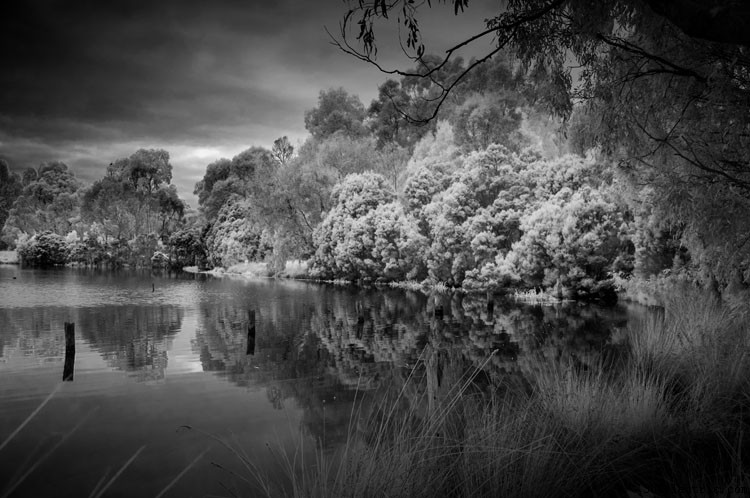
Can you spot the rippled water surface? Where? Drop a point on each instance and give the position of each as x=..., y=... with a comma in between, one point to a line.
x=164, y=370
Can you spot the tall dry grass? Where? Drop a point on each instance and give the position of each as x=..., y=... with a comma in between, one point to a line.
x=671, y=420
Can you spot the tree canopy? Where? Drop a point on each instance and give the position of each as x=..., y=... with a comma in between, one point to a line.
x=660, y=87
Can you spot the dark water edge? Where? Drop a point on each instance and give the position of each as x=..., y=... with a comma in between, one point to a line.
x=159, y=351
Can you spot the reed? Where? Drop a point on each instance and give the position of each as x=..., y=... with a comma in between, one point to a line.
x=581, y=430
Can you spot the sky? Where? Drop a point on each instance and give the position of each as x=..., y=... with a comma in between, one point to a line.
x=88, y=82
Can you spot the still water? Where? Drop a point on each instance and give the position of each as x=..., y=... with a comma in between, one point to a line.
x=165, y=371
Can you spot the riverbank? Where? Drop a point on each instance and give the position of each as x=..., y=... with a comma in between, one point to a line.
x=9, y=258
x=298, y=270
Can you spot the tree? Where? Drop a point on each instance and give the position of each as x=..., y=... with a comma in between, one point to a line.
x=477, y=216
x=249, y=174
x=44, y=249
x=665, y=85
x=171, y=208
x=185, y=248
x=145, y=170
x=572, y=242
x=48, y=202
x=10, y=189
x=387, y=119
x=135, y=198
x=112, y=205
x=282, y=150
x=337, y=111
x=482, y=120
x=366, y=235
x=234, y=236
x=143, y=174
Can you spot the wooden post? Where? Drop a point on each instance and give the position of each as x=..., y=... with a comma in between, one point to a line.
x=490, y=305
x=439, y=311
x=153, y=287
x=70, y=351
x=251, y=332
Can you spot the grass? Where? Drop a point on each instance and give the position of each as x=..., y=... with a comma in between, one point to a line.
x=9, y=257
x=296, y=268
x=251, y=269
x=670, y=419
x=654, y=290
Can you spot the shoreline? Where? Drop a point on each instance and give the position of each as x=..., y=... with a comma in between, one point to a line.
x=255, y=271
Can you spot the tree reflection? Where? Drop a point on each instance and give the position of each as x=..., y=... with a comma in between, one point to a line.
x=336, y=347
x=28, y=332
x=133, y=339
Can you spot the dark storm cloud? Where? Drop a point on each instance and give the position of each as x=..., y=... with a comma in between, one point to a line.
x=146, y=64
x=87, y=82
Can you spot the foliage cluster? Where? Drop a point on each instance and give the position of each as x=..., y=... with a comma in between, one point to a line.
x=498, y=219
x=659, y=88
x=488, y=197
x=50, y=249
x=126, y=217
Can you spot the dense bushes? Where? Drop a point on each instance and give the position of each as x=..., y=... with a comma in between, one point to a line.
x=498, y=219
x=44, y=249
x=50, y=249
x=573, y=242
x=366, y=235
x=186, y=248
x=235, y=237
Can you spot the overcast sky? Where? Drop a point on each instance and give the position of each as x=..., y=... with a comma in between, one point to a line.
x=87, y=82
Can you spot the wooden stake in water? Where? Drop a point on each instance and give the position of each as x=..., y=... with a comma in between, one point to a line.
x=153, y=287
x=70, y=351
x=251, y=332
x=439, y=311
x=490, y=306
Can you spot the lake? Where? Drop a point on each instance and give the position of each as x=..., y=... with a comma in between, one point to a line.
x=166, y=375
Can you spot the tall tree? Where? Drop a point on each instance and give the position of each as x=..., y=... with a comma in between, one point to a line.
x=135, y=198
x=10, y=189
x=49, y=202
x=666, y=85
x=337, y=111
x=248, y=174
x=282, y=150
x=145, y=172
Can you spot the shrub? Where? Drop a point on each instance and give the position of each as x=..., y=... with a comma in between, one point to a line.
x=572, y=240
x=366, y=235
x=44, y=249
x=185, y=248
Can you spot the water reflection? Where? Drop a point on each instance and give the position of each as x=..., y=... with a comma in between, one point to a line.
x=134, y=339
x=179, y=355
x=346, y=342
